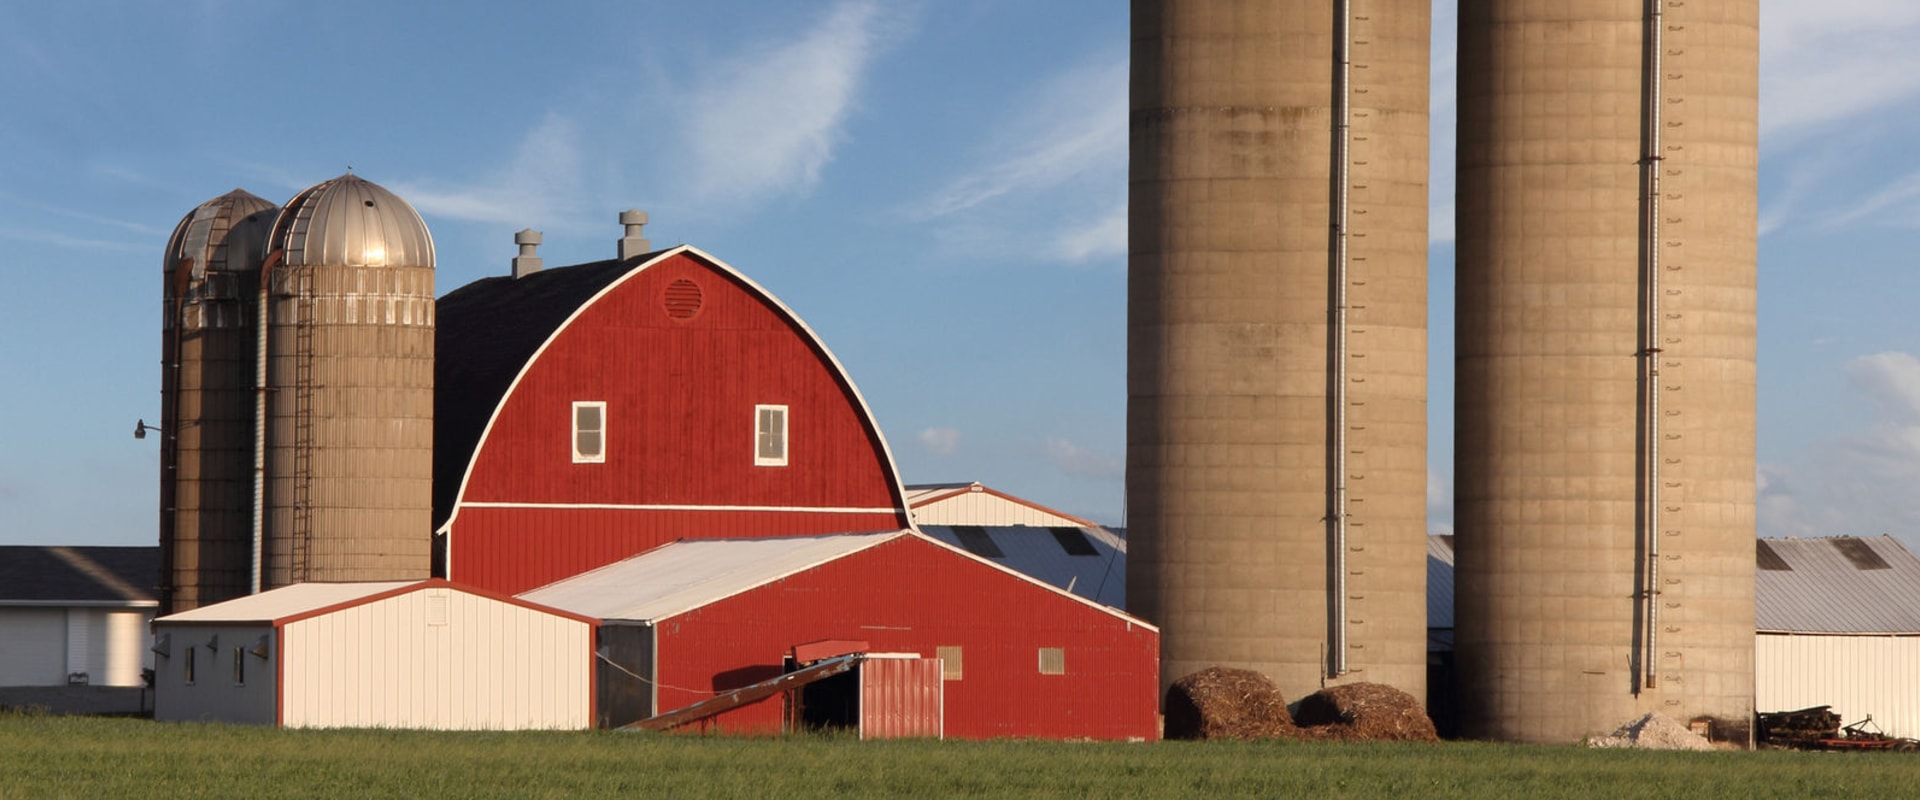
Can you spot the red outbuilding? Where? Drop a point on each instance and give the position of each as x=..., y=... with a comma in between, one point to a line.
x=1018, y=658
x=585, y=414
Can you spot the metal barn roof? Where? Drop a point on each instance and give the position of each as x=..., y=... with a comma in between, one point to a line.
x=286, y=601
x=1087, y=561
x=1841, y=584
x=685, y=575
x=976, y=504
x=36, y=575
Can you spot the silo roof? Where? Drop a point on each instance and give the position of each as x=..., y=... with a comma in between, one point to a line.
x=202, y=234
x=350, y=221
x=1837, y=585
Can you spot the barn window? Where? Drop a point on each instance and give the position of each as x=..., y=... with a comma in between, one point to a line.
x=770, y=436
x=239, y=666
x=589, y=432
x=1053, y=661
x=950, y=663
x=186, y=667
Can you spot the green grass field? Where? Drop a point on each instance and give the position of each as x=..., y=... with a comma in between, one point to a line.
x=45, y=756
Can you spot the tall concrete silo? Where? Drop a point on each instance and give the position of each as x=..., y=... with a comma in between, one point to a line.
x=349, y=368
x=211, y=278
x=1604, y=448
x=1276, y=380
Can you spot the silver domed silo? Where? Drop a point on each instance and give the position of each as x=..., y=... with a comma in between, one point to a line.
x=349, y=444
x=211, y=274
x=1604, y=447
x=1276, y=380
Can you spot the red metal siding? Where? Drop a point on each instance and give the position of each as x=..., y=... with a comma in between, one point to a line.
x=900, y=698
x=512, y=550
x=680, y=397
x=913, y=596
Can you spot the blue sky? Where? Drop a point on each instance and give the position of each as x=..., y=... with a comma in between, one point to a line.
x=937, y=187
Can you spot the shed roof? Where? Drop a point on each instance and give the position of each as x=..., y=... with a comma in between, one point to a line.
x=929, y=504
x=287, y=601
x=55, y=575
x=1088, y=561
x=685, y=575
x=1835, y=585
x=1439, y=581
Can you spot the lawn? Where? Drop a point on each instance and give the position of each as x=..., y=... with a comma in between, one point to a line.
x=46, y=756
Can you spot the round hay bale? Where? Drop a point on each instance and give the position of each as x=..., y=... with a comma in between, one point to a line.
x=1370, y=712
x=1224, y=703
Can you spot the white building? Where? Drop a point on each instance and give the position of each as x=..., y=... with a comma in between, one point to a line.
x=1839, y=625
x=75, y=616
x=1064, y=550
x=408, y=654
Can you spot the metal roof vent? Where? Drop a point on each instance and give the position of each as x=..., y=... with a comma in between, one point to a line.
x=632, y=244
x=682, y=299
x=526, y=263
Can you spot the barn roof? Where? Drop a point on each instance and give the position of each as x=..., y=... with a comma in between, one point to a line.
x=686, y=575
x=488, y=331
x=65, y=576
x=1088, y=561
x=976, y=504
x=485, y=333
x=1841, y=584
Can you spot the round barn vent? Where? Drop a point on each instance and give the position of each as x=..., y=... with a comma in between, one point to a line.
x=683, y=299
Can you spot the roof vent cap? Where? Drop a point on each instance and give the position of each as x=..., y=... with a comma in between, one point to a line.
x=632, y=244
x=527, y=262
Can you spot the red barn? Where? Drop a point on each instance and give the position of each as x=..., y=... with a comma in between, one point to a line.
x=1020, y=658
x=585, y=414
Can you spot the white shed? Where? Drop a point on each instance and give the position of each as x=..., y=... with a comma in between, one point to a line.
x=1839, y=625
x=408, y=654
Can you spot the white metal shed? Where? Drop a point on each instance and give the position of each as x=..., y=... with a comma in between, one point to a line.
x=1839, y=625
x=409, y=654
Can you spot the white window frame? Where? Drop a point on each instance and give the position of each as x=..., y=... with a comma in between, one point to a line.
x=574, y=425
x=786, y=436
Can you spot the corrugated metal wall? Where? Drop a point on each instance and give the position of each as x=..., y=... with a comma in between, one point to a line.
x=1857, y=675
x=437, y=658
x=680, y=397
x=900, y=698
x=986, y=508
x=214, y=695
x=910, y=595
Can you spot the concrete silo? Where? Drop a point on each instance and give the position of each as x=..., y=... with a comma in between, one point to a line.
x=1276, y=433
x=348, y=456
x=211, y=278
x=1604, y=463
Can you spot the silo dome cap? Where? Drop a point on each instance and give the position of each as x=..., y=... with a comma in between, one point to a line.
x=351, y=222
x=204, y=232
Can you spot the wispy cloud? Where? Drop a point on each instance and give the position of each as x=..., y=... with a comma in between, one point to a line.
x=76, y=242
x=1860, y=482
x=768, y=125
x=940, y=441
x=1051, y=178
x=541, y=185
x=1826, y=61
x=1073, y=459
x=1443, y=113
x=1439, y=502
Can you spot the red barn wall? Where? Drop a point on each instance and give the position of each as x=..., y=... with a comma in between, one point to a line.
x=913, y=596
x=680, y=397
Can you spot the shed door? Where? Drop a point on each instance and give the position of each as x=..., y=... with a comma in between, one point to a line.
x=901, y=697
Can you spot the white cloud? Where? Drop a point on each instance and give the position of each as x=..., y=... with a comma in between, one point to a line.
x=1443, y=113
x=1439, y=502
x=940, y=441
x=1825, y=61
x=1860, y=482
x=541, y=185
x=1103, y=238
x=769, y=125
x=1075, y=460
x=1051, y=179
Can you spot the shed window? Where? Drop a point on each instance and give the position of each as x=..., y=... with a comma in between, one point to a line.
x=1053, y=661
x=186, y=667
x=589, y=432
x=770, y=436
x=239, y=666
x=951, y=667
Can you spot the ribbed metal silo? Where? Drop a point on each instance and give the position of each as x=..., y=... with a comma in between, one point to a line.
x=211, y=274
x=348, y=457
x=1604, y=449
x=1276, y=453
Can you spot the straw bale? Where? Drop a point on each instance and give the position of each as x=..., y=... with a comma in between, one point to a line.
x=1225, y=703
